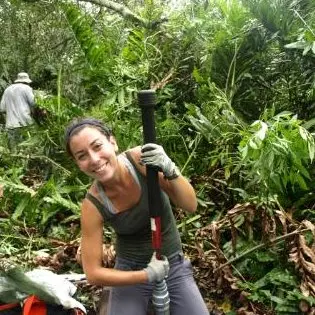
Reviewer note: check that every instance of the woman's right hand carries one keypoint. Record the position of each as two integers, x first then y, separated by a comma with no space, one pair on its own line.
157,269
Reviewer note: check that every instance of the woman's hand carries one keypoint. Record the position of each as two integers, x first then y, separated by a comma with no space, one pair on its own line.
154,155
157,269
178,188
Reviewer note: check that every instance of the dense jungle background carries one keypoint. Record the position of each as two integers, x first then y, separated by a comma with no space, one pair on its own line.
235,84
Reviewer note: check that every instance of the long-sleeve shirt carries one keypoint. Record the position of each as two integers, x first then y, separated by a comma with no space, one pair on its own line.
16,102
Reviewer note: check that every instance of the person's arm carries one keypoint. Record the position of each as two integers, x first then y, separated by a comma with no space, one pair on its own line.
2,104
30,98
92,252
179,190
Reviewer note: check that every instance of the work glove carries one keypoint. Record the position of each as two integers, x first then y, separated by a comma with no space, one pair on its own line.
154,155
157,269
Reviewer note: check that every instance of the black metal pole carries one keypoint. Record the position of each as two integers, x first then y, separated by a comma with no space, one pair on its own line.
147,102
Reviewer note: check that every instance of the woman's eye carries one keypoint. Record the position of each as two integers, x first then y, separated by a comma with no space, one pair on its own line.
98,146
81,157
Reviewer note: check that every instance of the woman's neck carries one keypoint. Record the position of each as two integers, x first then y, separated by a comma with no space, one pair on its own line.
120,181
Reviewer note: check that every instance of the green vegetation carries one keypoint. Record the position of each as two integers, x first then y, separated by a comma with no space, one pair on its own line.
236,110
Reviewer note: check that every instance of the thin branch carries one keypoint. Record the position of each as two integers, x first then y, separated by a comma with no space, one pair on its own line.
120,9
275,240
42,157
304,22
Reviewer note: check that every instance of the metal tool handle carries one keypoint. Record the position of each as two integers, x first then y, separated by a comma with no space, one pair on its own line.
147,103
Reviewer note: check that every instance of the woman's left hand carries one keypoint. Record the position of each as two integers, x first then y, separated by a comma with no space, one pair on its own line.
154,155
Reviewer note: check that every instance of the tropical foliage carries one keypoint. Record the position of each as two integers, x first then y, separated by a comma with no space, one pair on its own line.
236,111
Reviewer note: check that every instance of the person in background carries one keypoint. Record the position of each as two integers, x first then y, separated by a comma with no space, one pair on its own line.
17,103
118,197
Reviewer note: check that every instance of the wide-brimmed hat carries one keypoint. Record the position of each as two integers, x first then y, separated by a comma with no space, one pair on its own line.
23,78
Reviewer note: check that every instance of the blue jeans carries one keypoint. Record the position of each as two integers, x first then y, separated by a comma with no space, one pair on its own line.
183,291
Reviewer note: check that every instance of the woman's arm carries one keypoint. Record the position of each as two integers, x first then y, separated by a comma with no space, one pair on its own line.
92,252
179,190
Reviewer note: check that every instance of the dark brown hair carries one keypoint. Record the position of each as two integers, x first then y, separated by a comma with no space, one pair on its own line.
78,124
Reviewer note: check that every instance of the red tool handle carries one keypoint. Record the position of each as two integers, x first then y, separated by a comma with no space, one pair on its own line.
147,102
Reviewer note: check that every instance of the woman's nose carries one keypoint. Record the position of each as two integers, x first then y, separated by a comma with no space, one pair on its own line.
94,157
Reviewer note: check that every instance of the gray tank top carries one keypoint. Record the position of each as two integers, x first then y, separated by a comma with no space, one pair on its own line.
132,226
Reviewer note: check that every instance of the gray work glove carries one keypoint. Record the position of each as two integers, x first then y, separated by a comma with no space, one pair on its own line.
157,269
154,155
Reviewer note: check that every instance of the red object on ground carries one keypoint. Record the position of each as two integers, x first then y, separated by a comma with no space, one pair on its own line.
34,306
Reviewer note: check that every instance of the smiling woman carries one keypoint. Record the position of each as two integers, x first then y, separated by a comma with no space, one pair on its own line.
118,197
94,153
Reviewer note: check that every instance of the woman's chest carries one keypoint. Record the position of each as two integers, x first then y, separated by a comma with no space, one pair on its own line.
126,198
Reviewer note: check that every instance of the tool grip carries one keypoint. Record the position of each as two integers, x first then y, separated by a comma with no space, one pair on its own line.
147,103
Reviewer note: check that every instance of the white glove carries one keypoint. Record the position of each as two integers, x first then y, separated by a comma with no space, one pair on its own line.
157,269
154,155
57,286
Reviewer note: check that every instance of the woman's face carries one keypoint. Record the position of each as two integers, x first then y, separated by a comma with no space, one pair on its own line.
94,153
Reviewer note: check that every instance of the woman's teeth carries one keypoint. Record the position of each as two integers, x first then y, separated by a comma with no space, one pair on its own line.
100,169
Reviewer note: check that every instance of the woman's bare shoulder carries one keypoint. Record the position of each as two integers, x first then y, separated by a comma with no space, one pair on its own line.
87,205
135,154
93,189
